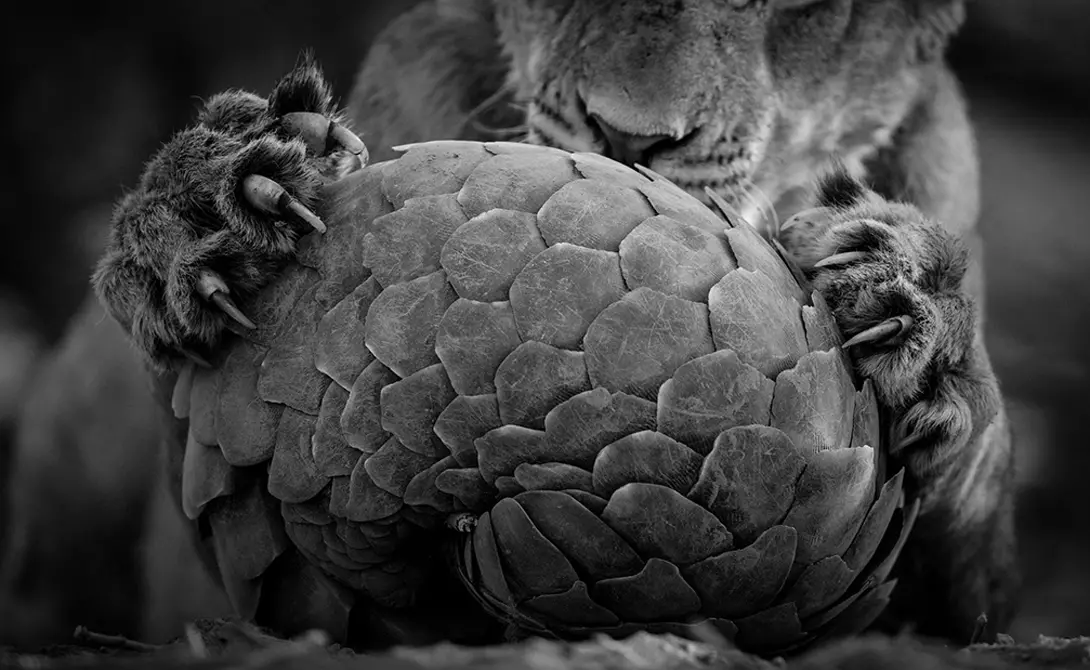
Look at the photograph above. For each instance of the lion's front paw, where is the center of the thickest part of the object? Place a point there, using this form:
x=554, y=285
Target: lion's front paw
x=217, y=212
x=893, y=280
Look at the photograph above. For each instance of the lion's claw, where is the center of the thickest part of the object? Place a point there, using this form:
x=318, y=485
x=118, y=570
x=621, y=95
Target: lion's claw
x=883, y=332
x=842, y=258
x=198, y=360
x=907, y=440
x=213, y=289
x=322, y=134
x=271, y=198
x=224, y=302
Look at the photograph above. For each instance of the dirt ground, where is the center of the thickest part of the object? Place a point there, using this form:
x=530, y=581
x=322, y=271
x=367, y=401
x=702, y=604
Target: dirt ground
x=91, y=99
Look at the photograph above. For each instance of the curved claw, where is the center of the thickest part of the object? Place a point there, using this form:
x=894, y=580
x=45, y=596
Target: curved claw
x=910, y=440
x=342, y=137
x=229, y=308
x=213, y=289
x=356, y=162
x=196, y=359
x=209, y=282
x=293, y=209
x=271, y=198
x=840, y=259
x=322, y=134
x=883, y=331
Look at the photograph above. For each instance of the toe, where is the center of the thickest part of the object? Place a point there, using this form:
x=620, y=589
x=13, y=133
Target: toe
x=842, y=258
x=888, y=330
x=214, y=289
x=270, y=197
x=816, y=217
x=892, y=335
x=863, y=235
x=932, y=431
x=232, y=112
x=321, y=134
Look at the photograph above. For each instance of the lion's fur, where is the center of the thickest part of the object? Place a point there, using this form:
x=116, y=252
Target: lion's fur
x=764, y=101
x=864, y=83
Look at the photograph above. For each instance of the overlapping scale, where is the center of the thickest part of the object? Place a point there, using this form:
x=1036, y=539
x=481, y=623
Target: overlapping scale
x=521, y=181
x=473, y=339
x=204, y=392
x=464, y=420
x=337, y=255
x=294, y=475
x=402, y=322
x=592, y=213
x=674, y=258
x=598, y=167
x=636, y=343
x=656, y=593
x=427, y=169
x=751, y=318
x=361, y=420
x=245, y=424
x=749, y=479
x=485, y=255
x=812, y=399
x=206, y=476
x=333, y=456
x=650, y=419
x=247, y=536
x=741, y=581
x=393, y=466
x=647, y=515
x=580, y=427
x=710, y=394
x=288, y=373
x=406, y=243
x=645, y=457
x=411, y=405
x=341, y=352
x=554, y=476
x=536, y=377
x=669, y=200
x=562, y=290
x=753, y=253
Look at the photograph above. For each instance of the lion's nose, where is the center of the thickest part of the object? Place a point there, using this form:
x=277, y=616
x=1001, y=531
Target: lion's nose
x=626, y=147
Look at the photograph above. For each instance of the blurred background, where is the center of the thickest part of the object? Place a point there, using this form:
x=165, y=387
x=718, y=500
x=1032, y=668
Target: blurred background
x=90, y=97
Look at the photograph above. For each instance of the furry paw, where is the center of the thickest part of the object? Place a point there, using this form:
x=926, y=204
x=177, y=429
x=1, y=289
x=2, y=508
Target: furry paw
x=218, y=211
x=893, y=280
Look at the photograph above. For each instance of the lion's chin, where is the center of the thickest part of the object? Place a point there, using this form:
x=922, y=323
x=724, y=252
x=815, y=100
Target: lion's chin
x=733, y=181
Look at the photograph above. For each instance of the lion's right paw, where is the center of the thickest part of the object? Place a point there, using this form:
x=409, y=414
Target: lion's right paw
x=894, y=281
x=218, y=211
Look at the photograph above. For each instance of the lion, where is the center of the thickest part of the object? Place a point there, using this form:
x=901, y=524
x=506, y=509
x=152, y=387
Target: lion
x=842, y=112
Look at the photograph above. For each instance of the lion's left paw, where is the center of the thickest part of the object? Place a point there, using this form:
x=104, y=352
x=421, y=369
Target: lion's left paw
x=893, y=279
x=219, y=210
